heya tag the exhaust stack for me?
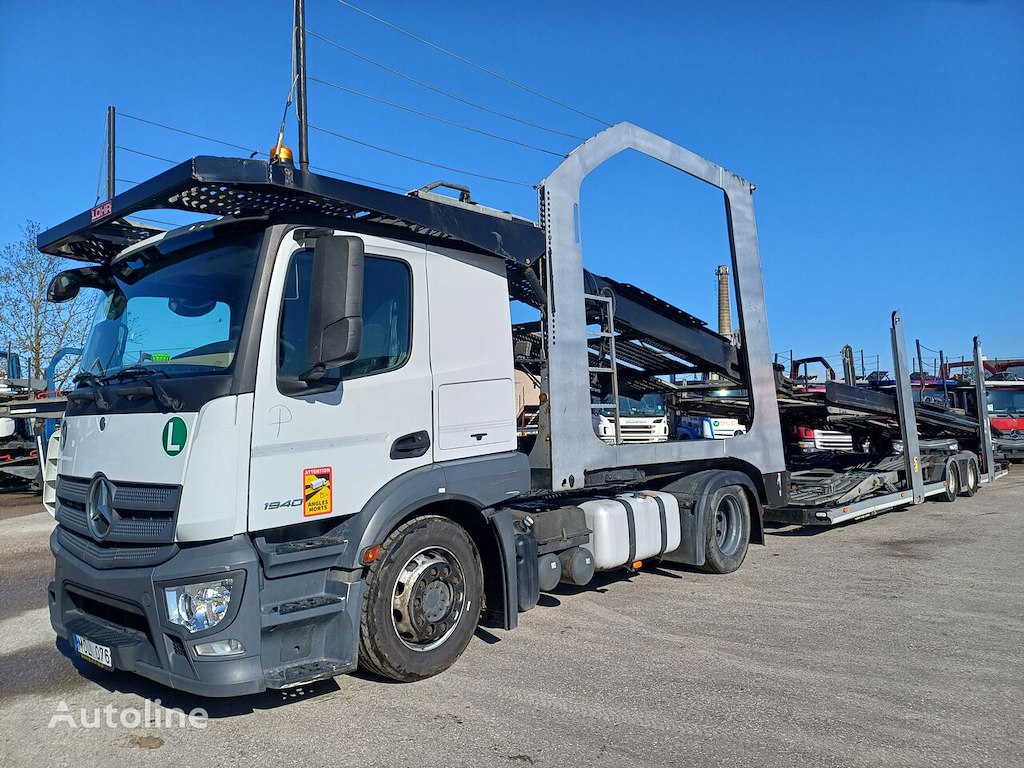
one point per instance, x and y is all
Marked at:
(724, 313)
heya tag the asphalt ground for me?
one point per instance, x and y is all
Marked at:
(895, 641)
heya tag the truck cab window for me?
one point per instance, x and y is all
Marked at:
(387, 318)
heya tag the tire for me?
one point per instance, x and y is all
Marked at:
(422, 600)
(728, 530)
(973, 479)
(951, 483)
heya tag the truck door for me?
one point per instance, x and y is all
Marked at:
(325, 455)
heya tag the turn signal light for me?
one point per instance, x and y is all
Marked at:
(370, 554)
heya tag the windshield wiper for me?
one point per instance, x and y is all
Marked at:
(151, 389)
(95, 392)
(133, 372)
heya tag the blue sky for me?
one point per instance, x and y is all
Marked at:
(885, 137)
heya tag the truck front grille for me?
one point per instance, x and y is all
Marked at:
(144, 513)
(827, 440)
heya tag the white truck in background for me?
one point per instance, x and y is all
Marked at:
(641, 420)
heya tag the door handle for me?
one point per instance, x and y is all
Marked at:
(410, 446)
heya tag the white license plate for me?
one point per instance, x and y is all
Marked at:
(94, 652)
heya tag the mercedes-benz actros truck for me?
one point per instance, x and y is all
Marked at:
(293, 448)
(293, 445)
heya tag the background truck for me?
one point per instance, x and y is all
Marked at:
(809, 439)
(30, 410)
(641, 420)
(1004, 404)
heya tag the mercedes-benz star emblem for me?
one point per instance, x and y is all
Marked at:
(99, 507)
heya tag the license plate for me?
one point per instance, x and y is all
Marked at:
(94, 652)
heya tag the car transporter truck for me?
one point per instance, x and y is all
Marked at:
(293, 448)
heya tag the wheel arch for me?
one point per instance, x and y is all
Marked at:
(466, 492)
(694, 492)
(494, 538)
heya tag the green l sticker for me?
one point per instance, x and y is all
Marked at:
(175, 436)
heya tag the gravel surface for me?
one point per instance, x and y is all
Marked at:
(895, 641)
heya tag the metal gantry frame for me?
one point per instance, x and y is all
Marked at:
(567, 447)
(907, 412)
(985, 429)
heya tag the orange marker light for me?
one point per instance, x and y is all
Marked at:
(638, 564)
(370, 554)
(282, 155)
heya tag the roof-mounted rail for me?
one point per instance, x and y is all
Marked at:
(220, 186)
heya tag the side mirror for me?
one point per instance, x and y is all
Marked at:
(335, 305)
(64, 286)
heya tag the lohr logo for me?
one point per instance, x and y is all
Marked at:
(174, 437)
(101, 210)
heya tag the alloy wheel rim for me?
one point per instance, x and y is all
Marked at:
(428, 598)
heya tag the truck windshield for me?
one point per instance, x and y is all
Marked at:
(650, 405)
(935, 396)
(1009, 401)
(175, 307)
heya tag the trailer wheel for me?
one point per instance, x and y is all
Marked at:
(951, 482)
(728, 530)
(422, 600)
(971, 482)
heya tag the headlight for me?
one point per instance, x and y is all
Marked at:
(198, 606)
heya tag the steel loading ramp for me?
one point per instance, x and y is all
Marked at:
(653, 339)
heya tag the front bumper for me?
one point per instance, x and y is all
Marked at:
(1011, 450)
(294, 628)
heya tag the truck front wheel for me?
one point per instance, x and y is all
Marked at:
(728, 530)
(422, 600)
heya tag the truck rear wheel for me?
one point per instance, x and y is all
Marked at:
(971, 482)
(728, 530)
(422, 600)
(951, 482)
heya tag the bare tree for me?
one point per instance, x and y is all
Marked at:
(30, 323)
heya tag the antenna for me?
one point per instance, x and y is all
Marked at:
(300, 93)
(111, 152)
